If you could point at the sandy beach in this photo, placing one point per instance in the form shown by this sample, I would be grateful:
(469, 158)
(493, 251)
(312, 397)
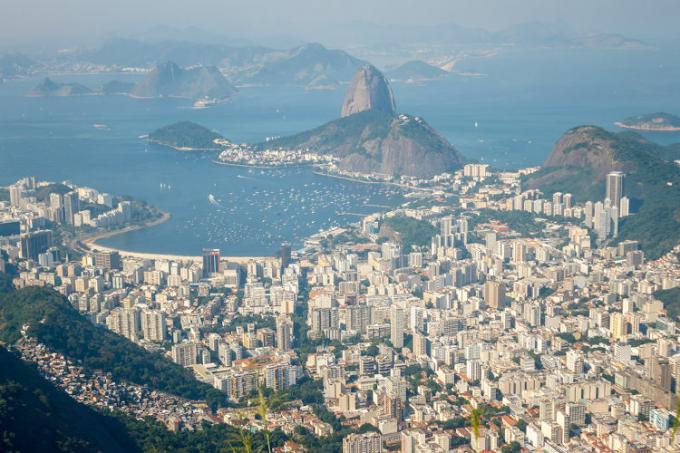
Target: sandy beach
(89, 244)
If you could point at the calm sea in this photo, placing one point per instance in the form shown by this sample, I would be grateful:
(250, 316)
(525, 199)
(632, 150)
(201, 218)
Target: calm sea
(509, 115)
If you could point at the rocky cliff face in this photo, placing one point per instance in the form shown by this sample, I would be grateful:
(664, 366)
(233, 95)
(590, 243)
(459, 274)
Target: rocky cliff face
(169, 80)
(369, 90)
(580, 161)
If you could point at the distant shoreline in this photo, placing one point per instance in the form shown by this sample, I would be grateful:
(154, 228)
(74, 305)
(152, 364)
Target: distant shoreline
(647, 128)
(182, 148)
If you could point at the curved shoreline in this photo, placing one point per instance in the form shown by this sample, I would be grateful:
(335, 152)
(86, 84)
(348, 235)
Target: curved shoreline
(89, 244)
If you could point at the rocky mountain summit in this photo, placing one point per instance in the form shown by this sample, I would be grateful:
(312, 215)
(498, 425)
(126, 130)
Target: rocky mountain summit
(368, 90)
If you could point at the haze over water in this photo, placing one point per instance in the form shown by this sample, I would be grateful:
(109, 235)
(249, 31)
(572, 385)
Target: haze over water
(522, 103)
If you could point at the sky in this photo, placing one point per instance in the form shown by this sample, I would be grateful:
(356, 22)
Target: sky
(82, 22)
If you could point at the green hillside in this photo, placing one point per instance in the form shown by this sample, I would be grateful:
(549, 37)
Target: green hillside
(36, 416)
(579, 164)
(54, 322)
(186, 135)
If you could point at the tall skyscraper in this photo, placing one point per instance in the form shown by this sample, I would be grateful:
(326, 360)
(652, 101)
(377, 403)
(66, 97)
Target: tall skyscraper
(71, 206)
(15, 192)
(35, 243)
(615, 187)
(285, 254)
(397, 327)
(284, 331)
(211, 262)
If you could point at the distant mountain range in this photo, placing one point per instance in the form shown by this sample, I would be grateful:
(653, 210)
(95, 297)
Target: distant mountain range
(16, 65)
(311, 65)
(165, 80)
(583, 156)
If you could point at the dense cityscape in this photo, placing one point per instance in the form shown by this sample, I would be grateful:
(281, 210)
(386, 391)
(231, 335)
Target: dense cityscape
(308, 226)
(476, 314)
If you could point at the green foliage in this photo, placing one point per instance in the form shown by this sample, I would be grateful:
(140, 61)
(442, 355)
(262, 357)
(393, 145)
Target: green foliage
(348, 132)
(411, 231)
(43, 193)
(456, 422)
(5, 283)
(35, 416)
(522, 222)
(652, 183)
(54, 322)
(671, 301)
(512, 447)
(568, 337)
(185, 134)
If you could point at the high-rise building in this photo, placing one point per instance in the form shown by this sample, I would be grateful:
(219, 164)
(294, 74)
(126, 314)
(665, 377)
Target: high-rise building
(285, 255)
(211, 262)
(185, 354)
(397, 327)
(35, 243)
(107, 260)
(154, 326)
(284, 331)
(494, 293)
(362, 443)
(15, 193)
(614, 187)
(71, 206)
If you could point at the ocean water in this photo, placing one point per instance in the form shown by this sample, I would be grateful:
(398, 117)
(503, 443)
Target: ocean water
(522, 102)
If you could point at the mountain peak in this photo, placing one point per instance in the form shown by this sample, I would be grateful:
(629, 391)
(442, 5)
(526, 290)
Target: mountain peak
(369, 90)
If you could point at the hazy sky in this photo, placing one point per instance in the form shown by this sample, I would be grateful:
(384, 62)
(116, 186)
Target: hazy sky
(83, 21)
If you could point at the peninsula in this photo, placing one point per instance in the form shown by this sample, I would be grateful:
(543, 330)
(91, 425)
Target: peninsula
(653, 122)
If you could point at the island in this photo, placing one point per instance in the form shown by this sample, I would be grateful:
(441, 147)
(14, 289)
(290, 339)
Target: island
(170, 80)
(187, 136)
(654, 122)
(50, 88)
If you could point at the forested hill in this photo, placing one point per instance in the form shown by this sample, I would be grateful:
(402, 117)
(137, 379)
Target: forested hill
(54, 322)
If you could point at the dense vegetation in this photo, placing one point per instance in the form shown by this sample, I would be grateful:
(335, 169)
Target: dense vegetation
(350, 132)
(522, 222)
(55, 323)
(187, 135)
(671, 301)
(43, 193)
(412, 232)
(652, 183)
(36, 416)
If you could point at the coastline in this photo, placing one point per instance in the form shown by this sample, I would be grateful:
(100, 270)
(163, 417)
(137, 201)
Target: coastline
(647, 128)
(89, 244)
